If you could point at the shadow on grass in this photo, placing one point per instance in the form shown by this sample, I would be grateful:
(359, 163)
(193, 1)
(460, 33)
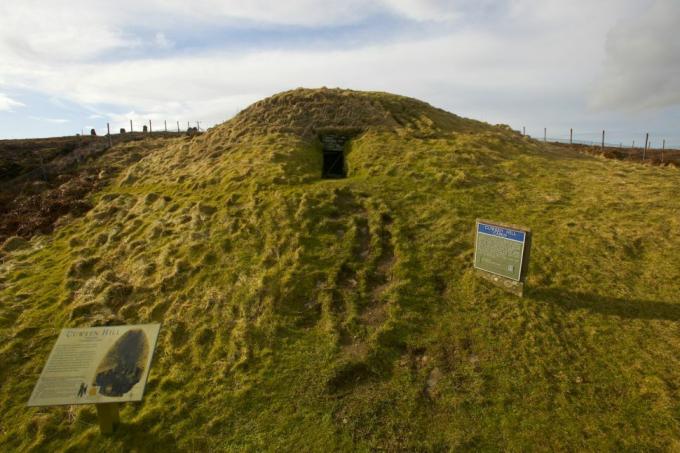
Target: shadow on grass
(614, 306)
(134, 437)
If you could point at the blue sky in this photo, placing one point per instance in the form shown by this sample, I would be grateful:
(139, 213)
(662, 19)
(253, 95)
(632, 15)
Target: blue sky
(72, 65)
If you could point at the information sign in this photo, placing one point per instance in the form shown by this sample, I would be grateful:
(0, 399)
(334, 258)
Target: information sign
(97, 365)
(501, 253)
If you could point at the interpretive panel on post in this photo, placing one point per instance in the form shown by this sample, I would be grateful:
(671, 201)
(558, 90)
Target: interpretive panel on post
(500, 250)
(97, 365)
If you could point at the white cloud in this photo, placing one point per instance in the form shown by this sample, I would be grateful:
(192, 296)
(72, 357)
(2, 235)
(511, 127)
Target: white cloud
(292, 12)
(50, 120)
(642, 66)
(68, 30)
(162, 42)
(77, 30)
(35, 35)
(31, 30)
(7, 103)
(212, 86)
(423, 10)
(489, 56)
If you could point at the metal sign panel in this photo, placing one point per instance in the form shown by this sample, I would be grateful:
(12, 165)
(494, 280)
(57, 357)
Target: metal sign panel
(500, 250)
(97, 365)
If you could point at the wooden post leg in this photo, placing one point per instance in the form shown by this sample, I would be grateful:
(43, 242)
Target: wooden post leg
(107, 413)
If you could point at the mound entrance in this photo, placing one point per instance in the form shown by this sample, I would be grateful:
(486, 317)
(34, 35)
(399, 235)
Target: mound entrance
(334, 156)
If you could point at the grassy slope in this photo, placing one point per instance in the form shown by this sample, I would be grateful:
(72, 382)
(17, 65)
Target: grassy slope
(327, 315)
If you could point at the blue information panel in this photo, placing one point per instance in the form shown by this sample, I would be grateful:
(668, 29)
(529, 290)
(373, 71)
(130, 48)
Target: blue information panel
(501, 232)
(500, 250)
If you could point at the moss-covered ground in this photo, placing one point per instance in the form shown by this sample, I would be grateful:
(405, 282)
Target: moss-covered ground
(302, 314)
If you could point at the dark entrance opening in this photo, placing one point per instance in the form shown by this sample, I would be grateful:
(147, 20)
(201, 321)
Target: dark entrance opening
(333, 156)
(334, 165)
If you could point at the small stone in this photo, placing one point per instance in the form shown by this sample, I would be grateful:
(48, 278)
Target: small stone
(432, 381)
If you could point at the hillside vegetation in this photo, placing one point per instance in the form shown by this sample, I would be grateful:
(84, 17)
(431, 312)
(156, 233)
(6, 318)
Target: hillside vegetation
(303, 314)
(43, 181)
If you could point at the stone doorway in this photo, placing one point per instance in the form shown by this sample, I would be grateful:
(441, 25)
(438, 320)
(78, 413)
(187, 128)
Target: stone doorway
(334, 156)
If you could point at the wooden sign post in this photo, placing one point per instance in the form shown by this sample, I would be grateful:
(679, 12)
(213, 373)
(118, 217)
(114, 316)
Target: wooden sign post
(108, 417)
(104, 366)
(502, 254)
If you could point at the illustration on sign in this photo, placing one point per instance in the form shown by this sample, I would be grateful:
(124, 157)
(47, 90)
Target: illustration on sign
(500, 250)
(122, 367)
(97, 365)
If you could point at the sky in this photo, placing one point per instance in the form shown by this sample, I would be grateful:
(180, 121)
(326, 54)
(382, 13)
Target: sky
(67, 66)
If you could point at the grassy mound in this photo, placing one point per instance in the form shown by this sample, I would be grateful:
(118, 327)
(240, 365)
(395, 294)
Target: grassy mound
(305, 112)
(308, 314)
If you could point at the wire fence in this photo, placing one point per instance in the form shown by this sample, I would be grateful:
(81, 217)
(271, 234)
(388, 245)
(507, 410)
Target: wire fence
(99, 140)
(632, 145)
(170, 127)
(602, 138)
(641, 146)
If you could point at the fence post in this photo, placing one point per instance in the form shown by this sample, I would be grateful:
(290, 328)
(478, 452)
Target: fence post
(188, 125)
(571, 136)
(150, 130)
(198, 126)
(524, 130)
(644, 152)
(663, 148)
(131, 126)
(108, 132)
(178, 127)
(545, 134)
(165, 122)
(603, 139)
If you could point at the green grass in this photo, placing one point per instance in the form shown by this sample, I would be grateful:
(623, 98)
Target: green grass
(323, 315)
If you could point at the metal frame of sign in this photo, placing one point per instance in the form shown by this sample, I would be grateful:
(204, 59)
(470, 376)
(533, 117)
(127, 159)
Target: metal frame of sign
(511, 284)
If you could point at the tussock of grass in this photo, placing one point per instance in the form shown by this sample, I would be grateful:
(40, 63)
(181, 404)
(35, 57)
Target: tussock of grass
(301, 313)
